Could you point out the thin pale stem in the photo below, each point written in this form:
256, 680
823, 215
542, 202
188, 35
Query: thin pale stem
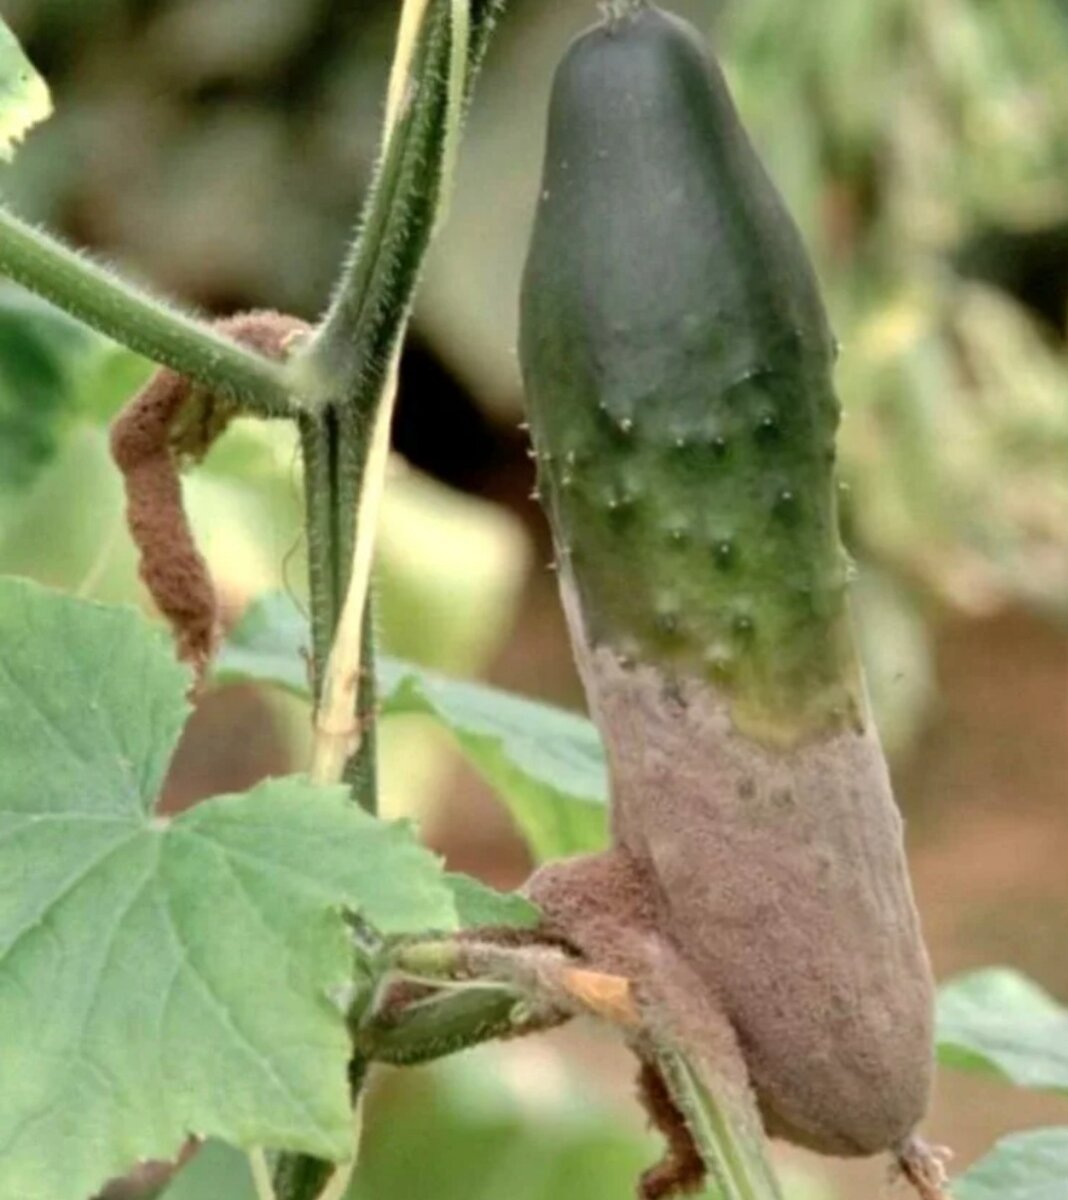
261, 1175
540, 973
361, 771
459, 52
76, 284
339, 723
412, 18
338, 1183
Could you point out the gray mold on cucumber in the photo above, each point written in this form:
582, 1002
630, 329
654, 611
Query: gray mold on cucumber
678, 361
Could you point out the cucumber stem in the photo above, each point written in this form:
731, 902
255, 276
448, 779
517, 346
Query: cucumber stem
44, 265
338, 728
726, 1128
353, 359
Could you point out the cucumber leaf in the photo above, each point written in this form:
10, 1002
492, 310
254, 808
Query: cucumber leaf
998, 1022
161, 976
547, 765
1023, 1166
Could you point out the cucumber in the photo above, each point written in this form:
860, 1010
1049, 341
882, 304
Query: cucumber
677, 362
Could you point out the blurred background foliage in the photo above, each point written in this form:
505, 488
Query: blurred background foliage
220, 148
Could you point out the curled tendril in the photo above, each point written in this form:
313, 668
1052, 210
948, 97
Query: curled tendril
168, 423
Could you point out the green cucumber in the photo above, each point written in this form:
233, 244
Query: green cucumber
678, 368
677, 362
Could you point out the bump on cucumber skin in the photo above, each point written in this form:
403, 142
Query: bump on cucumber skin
677, 362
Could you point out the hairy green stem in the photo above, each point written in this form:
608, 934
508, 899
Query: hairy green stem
354, 343
329, 509
317, 450
348, 364
301, 1177
353, 354
447, 1022
360, 771
726, 1127
74, 283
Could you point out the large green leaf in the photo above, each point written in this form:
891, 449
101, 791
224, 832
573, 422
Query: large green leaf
1000, 1023
165, 976
1025, 1166
24, 98
546, 764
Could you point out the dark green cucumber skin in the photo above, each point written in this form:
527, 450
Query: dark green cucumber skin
677, 362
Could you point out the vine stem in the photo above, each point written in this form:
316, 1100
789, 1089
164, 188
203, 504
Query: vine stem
352, 363
726, 1128
411, 23
460, 15
338, 727
43, 264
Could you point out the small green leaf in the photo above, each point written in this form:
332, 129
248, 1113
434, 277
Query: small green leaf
479, 905
1024, 1166
269, 645
546, 764
166, 976
1000, 1023
24, 98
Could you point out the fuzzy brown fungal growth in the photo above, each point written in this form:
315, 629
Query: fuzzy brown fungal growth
170, 421
681, 1171
171, 566
606, 906
767, 888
